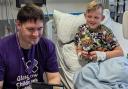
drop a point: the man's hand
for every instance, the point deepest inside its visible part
(1, 84)
(53, 78)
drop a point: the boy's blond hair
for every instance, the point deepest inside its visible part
(93, 6)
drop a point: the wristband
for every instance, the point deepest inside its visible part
(101, 56)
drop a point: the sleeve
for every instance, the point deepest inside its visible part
(111, 39)
(52, 64)
(77, 37)
(2, 67)
(80, 34)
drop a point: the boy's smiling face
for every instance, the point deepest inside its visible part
(94, 18)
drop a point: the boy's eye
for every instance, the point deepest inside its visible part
(96, 17)
(39, 29)
(89, 16)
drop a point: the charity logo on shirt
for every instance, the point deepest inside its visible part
(24, 80)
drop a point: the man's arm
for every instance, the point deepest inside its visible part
(53, 78)
(1, 84)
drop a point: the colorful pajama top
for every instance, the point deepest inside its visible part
(99, 39)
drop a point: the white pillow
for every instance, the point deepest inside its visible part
(67, 24)
(125, 24)
(106, 13)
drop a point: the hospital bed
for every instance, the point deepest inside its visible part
(62, 28)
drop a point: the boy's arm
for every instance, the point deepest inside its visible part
(114, 53)
(98, 55)
(115, 46)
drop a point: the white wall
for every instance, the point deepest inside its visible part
(70, 6)
(67, 5)
(8, 9)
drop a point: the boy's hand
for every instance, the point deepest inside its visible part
(85, 54)
(93, 55)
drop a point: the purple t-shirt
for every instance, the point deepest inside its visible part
(13, 68)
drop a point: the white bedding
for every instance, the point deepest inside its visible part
(71, 62)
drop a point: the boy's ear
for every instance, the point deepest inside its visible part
(84, 14)
(103, 17)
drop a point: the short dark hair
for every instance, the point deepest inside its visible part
(30, 12)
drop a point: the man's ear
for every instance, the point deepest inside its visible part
(18, 24)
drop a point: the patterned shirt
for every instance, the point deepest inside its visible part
(99, 39)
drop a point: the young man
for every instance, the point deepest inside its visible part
(25, 56)
(93, 40)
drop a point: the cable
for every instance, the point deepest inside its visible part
(124, 6)
(7, 12)
(47, 13)
(8, 26)
(1, 3)
(12, 14)
(117, 10)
